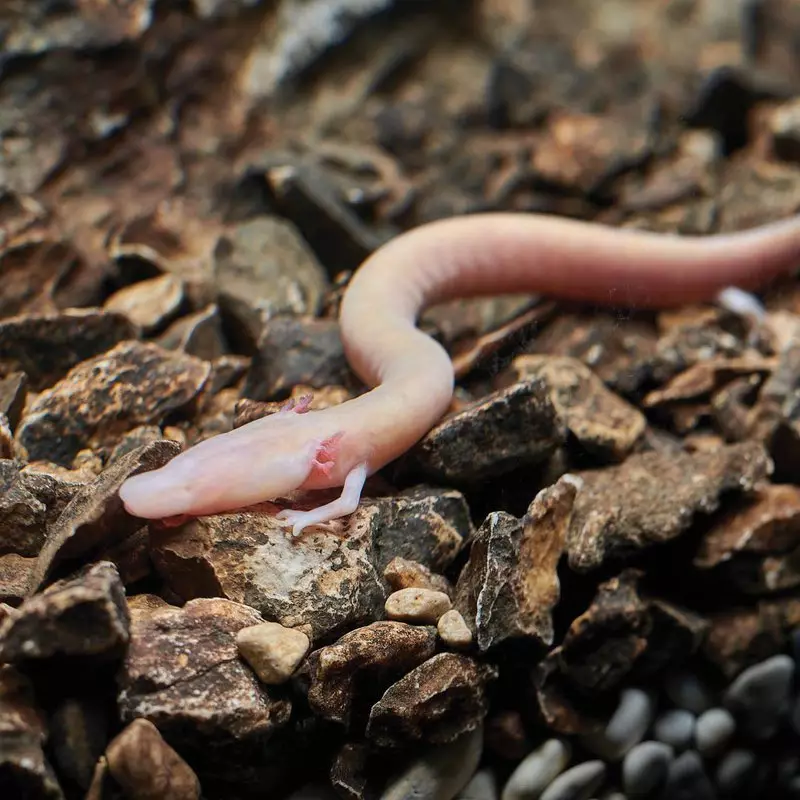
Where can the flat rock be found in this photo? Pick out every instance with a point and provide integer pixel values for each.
(47, 347)
(149, 304)
(510, 584)
(362, 664)
(272, 650)
(437, 702)
(513, 427)
(82, 616)
(100, 398)
(653, 498)
(322, 582)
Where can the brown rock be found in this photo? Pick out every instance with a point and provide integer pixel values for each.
(149, 304)
(47, 347)
(511, 428)
(401, 573)
(322, 582)
(183, 673)
(95, 516)
(147, 768)
(13, 394)
(99, 399)
(653, 498)
(273, 651)
(83, 616)
(349, 772)
(436, 702)
(601, 421)
(15, 575)
(419, 606)
(296, 351)
(510, 584)
(198, 334)
(362, 664)
(24, 769)
(784, 127)
(79, 730)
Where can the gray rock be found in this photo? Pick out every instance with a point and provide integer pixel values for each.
(626, 728)
(645, 768)
(713, 731)
(577, 783)
(537, 771)
(440, 773)
(734, 770)
(759, 695)
(687, 779)
(687, 691)
(483, 786)
(675, 727)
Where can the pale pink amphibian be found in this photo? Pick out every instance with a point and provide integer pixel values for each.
(485, 254)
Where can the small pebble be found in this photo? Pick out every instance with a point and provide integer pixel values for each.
(423, 606)
(759, 695)
(713, 731)
(645, 768)
(537, 771)
(577, 783)
(675, 727)
(483, 786)
(688, 692)
(626, 728)
(687, 779)
(273, 651)
(453, 630)
(734, 770)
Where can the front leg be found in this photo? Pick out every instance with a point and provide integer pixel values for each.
(345, 504)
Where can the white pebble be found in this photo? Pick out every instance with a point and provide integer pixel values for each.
(453, 630)
(713, 731)
(577, 783)
(626, 728)
(537, 771)
(423, 606)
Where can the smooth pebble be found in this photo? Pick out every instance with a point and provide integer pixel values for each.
(713, 731)
(688, 692)
(645, 767)
(441, 772)
(423, 606)
(453, 630)
(483, 786)
(537, 771)
(273, 651)
(734, 769)
(626, 728)
(577, 783)
(758, 696)
(675, 727)
(687, 779)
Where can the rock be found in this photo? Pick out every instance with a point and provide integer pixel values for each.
(295, 351)
(713, 731)
(199, 334)
(645, 768)
(13, 395)
(653, 498)
(262, 267)
(149, 304)
(441, 772)
(626, 727)
(132, 384)
(79, 730)
(24, 769)
(15, 576)
(577, 783)
(675, 727)
(760, 695)
(322, 583)
(735, 770)
(82, 616)
(511, 428)
(273, 651)
(47, 347)
(506, 735)
(437, 702)
(147, 768)
(687, 779)
(362, 664)
(419, 606)
(537, 771)
(402, 573)
(483, 786)
(510, 584)
(687, 691)
(453, 630)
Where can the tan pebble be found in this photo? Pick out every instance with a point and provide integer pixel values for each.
(417, 605)
(273, 651)
(453, 630)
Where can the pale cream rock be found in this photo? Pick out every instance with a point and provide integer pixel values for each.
(453, 630)
(273, 652)
(415, 604)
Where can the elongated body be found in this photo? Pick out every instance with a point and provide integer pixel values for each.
(485, 254)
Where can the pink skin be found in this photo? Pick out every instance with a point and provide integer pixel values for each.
(486, 254)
